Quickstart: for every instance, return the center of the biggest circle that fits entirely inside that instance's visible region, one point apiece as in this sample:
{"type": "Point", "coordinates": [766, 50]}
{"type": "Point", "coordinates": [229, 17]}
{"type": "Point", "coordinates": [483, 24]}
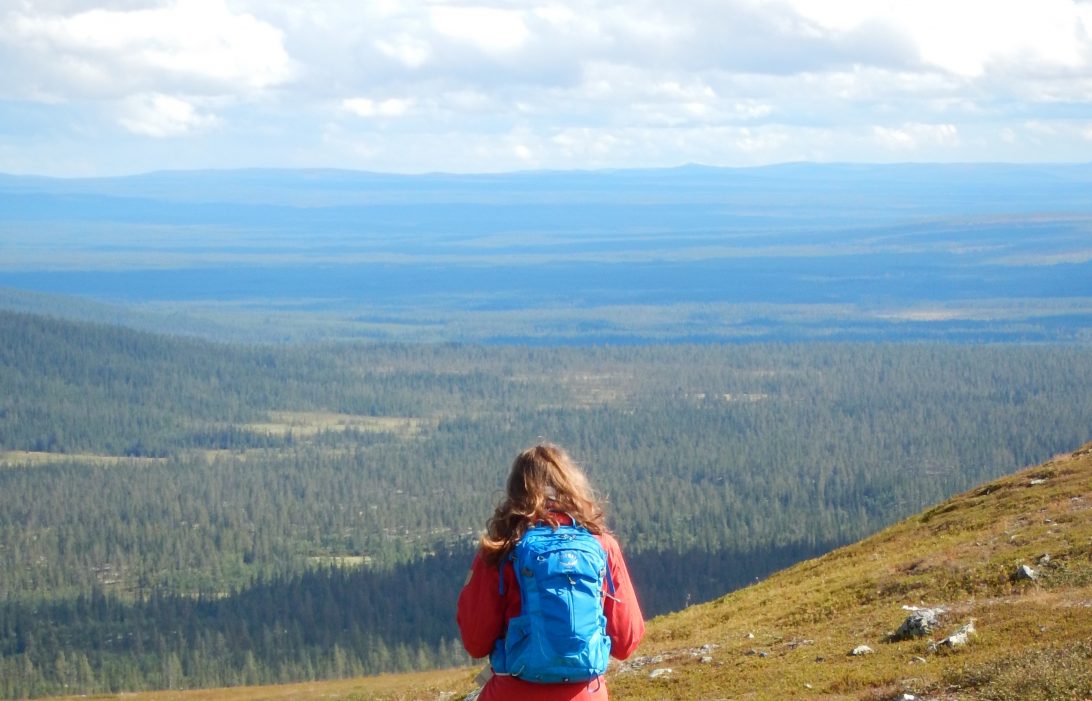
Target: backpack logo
{"type": "Point", "coordinates": [561, 632]}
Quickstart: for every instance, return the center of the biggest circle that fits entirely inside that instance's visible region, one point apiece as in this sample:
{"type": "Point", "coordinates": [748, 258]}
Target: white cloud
{"type": "Point", "coordinates": [498, 84]}
{"type": "Point", "coordinates": [751, 109]}
{"type": "Point", "coordinates": [163, 116]}
{"type": "Point", "coordinates": [676, 90]}
{"type": "Point", "coordinates": [407, 50]}
{"type": "Point", "coordinates": [366, 107]}
{"type": "Point", "coordinates": [913, 136]}
{"type": "Point", "coordinates": [752, 141]}
{"type": "Point", "coordinates": [488, 29]}
{"type": "Point", "coordinates": [968, 37]}
{"type": "Point", "coordinates": [557, 14]}
{"type": "Point", "coordinates": [188, 46]}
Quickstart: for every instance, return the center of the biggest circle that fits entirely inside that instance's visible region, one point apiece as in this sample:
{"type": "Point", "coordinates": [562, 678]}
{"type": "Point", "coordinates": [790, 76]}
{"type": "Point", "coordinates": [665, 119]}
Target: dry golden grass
{"type": "Point", "coordinates": [23, 458]}
{"type": "Point", "coordinates": [789, 636]}
{"type": "Point", "coordinates": [301, 424]}
{"type": "Point", "coordinates": [340, 560]}
{"type": "Point", "coordinates": [309, 423]}
{"type": "Point", "coordinates": [959, 555]}
{"type": "Point", "coordinates": [387, 687]}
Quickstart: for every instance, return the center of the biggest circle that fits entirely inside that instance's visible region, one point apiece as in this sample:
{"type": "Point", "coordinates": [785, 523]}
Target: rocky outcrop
{"type": "Point", "coordinates": [920, 623]}
{"type": "Point", "coordinates": [703, 654]}
{"type": "Point", "coordinates": [956, 640]}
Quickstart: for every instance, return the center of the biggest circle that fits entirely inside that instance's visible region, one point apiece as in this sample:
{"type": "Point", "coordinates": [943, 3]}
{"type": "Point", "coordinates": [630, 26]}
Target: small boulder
{"type": "Point", "coordinates": [861, 650]}
{"type": "Point", "coordinates": [660, 672]}
{"type": "Point", "coordinates": [1025, 573]}
{"type": "Point", "coordinates": [956, 640]}
{"type": "Point", "coordinates": [918, 624]}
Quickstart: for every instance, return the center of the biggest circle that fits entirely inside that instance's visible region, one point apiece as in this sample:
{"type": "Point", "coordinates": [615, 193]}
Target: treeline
{"type": "Point", "coordinates": [719, 464]}
{"type": "Point", "coordinates": [318, 624]}
{"type": "Point", "coordinates": [328, 622]}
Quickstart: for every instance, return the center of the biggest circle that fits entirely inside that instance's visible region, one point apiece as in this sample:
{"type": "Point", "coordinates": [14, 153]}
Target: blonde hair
{"type": "Point", "coordinates": [544, 480]}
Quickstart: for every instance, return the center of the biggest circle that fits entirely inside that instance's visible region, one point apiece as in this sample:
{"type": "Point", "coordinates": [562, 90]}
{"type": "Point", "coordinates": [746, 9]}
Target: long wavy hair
{"type": "Point", "coordinates": [544, 481]}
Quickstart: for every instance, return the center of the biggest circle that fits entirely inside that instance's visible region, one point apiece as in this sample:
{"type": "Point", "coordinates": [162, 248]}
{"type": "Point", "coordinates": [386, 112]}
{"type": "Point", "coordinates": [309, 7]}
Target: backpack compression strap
{"type": "Point", "coordinates": [511, 557]}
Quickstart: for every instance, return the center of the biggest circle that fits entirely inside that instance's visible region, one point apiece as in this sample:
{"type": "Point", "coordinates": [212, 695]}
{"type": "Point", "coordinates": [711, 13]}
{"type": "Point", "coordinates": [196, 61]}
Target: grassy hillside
{"type": "Point", "coordinates": [791, 635]}
{"type": "Point", "coordinates": [1033, 639]}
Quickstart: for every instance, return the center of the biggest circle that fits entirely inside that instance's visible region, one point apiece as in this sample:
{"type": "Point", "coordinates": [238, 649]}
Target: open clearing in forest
{"type": "Point", "coordinates": [310, 423]}
{"type": "Point", "coordinates": [25, 458]}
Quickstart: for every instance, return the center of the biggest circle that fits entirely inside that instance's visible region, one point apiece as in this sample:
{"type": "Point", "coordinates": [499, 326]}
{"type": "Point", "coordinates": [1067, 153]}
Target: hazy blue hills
{"type": "Point", "coordinates": [790, 252]}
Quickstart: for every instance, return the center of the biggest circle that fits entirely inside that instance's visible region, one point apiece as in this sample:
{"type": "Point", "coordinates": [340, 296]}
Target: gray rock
{"type": "Point", "coordinates": [920, 623]}
{"type": "Point", "coordinates": [1025, 573]}
{"type": "Point", "coordinates": [633, 664]}
{"type": "Point", "coordinates": [660, 672]}
{"type": "Point", "coordinates": [861, 650]}
{"type": "Point", "coordinates": [707, 659]}
{"type": "Point", "coordinates": [956, 640]}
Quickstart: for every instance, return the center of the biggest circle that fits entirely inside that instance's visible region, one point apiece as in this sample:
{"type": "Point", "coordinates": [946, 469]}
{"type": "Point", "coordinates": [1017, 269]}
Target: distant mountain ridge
{"type": "Point", "coordinates": [1001, 183]}
{"type": "Point", "coordinates": [793, 252]}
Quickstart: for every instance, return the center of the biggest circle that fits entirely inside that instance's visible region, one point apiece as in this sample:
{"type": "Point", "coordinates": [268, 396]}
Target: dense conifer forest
{"type": "Point", "coordinates": [176, 513]}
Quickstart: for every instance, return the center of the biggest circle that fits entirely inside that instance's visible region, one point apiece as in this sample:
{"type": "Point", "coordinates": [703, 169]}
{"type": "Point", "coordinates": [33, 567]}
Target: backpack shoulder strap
{"type": "Point", "coordinates": [509, 557]}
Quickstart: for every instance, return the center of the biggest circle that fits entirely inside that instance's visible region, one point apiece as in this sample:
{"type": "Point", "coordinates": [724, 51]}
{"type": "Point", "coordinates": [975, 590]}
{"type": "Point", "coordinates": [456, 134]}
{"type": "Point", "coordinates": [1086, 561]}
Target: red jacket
{"type": "Point", "coordinates": [483, 615]}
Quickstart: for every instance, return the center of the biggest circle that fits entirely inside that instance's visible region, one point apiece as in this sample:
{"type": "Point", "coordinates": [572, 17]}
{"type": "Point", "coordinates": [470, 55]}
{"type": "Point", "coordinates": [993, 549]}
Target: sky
{"type": "Point", "coordinates": [111, 87]}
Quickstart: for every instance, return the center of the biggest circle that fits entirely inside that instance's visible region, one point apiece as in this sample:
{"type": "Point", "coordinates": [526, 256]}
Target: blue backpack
{"type": "Point", "coordinates": [561, 632]}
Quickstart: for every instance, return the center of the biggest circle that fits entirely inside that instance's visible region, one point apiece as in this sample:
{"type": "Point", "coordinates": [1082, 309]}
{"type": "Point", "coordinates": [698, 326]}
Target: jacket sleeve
{"type": "Point", "coordinates": [625, 623]}
{"type": "Point", "coordinates": [480, 611]}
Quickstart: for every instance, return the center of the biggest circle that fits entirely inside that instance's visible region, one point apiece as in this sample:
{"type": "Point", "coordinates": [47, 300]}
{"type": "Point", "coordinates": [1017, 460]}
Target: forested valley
{"type": "Point", "coordinates": [179, 513]}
